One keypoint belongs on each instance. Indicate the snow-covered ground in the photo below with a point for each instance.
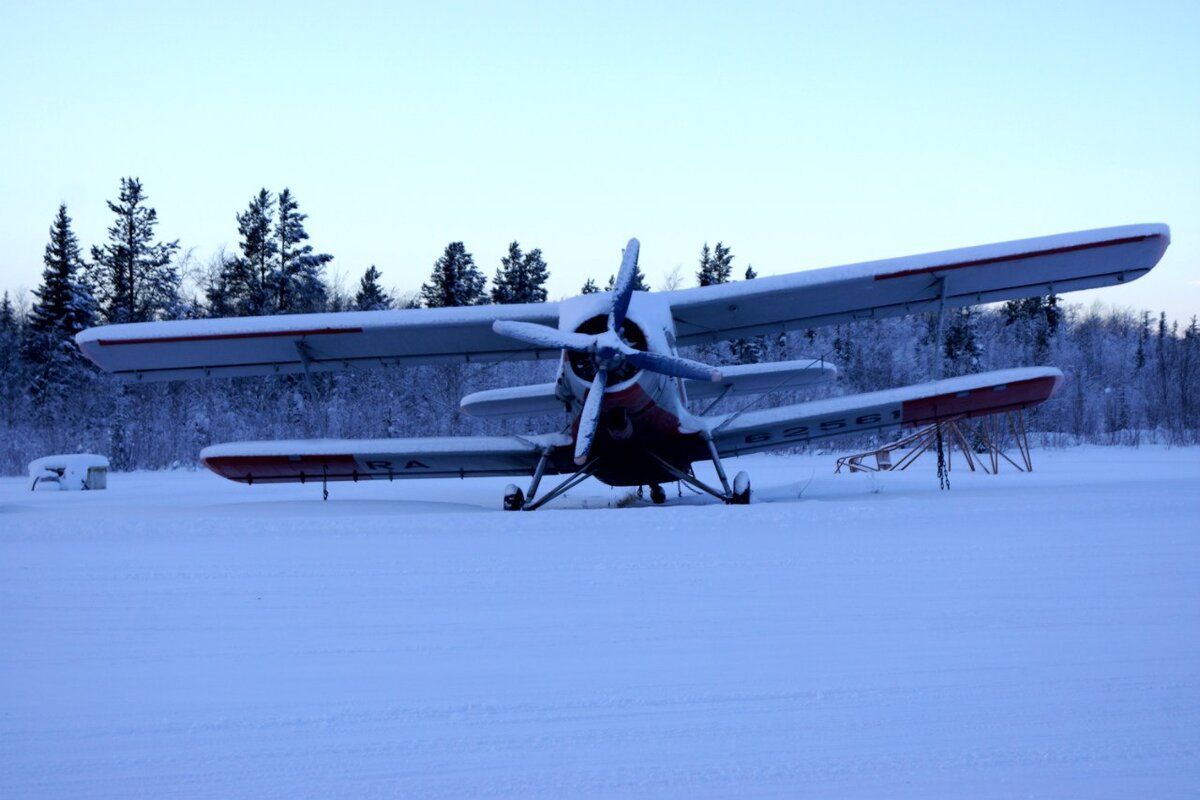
(844, 636)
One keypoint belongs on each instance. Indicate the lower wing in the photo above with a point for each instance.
(970, 395)
(381, 459)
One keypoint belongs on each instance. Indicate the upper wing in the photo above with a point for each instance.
(969, 395)
(912, 284)
(381, 459)
(320, 342)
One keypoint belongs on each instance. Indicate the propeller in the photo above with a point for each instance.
(608, 349)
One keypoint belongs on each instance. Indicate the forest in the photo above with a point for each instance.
(1132, 377)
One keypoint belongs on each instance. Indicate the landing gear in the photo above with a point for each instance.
(657, 495)
(514, 498)
(736, 495)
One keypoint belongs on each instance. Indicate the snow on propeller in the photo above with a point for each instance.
(625, 389)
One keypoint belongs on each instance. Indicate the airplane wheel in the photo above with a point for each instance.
(657, 495)
(514, 498)
(741, 490)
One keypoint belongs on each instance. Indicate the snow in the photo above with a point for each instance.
(843, 636)
(68, 472)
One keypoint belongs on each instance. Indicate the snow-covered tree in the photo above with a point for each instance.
(455, 281)
(371, 296)
(133, 275)
(521, 277)
(961, 349)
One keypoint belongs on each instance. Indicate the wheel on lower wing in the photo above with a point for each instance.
(657, 495)
(741, 490)
(514, 498)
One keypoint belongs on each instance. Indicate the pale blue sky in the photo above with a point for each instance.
(803, 135)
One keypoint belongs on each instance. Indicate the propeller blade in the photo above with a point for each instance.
(589, 420)
(623, 287)
(675, 366)
(542, 335)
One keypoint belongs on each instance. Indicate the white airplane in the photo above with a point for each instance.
(621, 381)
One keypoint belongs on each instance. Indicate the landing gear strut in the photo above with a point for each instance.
(515, 500)
(736, 495)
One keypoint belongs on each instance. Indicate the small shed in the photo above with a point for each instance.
(73, 472)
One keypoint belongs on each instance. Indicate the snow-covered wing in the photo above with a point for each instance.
(319, 342)
(894, 287)
(514, 401)
(379, 459)
(969, 395)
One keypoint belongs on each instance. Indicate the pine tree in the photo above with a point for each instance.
(134, 277)
(455, 281)
(960, 345)
(639, 281)
(521, 278)
(750, 273)
(371, 297)
(250, 280)
(64, 308)
(715, 267)
(590, 287)
(299, 286)
(8, 316)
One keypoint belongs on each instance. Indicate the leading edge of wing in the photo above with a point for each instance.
(920, 404)
(301, 461)
(911, 284)
(291, 343)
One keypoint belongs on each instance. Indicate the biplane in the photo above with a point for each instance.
(622, 386)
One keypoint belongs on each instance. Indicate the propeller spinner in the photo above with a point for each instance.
(608, 350)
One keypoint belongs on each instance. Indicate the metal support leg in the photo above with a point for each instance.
(537, 475)
(716, 459)
(579, 477)
(690, 480)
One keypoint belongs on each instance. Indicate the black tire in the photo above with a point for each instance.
(514, 498)
(657, 495)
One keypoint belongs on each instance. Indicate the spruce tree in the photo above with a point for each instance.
(299, 285)
(371, 296)
(589, 287)
(250, 279)
(455, 281)
(8, 316)
(716, 266)
(639, 281)
(134, 277)
(64, 307)
(521, 278)
(961, 348)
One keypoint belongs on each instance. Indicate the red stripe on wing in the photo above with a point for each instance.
(286, 469)
(977, 402)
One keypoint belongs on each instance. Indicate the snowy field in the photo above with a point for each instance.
(844, 636)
